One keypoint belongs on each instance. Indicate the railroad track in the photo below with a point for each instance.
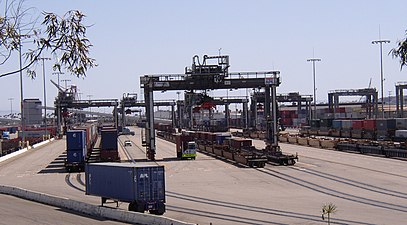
(333, 192)
(354, 166)
(127, 152)
(70, 184)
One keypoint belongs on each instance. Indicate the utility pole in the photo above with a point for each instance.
(21, 85)
(45, 93)
(380, 42)
(313, 60)
(21, 90)
(11, 106)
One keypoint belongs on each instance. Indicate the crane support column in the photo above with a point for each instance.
(274, 113)
(227, 114)
(173, 116)
(150, 131)
(245, 114)
(267, 115)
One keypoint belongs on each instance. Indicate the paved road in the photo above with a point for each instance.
(18, 211)
(366, 190)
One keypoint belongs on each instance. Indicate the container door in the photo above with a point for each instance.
(150, 183)
(143, 178)
(158, 183)
(75, 156)
(75, 140)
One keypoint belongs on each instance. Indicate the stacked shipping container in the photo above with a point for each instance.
(75, 148)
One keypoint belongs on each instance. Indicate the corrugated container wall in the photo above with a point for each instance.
(347, 124)
(385, 124)
(369, 125)
(240, 142)
(109, 139)
(337, 124)
(220, 138)
(75, 140)
(326, 122)
(126, 182)
(357, 124)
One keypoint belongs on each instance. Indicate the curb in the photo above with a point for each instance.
(21, 151)
(89, 209)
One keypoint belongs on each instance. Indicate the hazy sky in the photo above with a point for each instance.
(133, 38)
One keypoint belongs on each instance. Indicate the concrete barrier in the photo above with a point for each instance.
(21, 151)
(292, 139)
(43, 143)
(302, 141)
(329, 144)
(314, 142)
(11, 155)
(89, 209)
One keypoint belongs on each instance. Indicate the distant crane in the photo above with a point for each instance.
(369, 86)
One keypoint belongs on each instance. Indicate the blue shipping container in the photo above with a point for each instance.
(109, 139)
(75, 140)
(337, 124)
(220, 138)
(75, 156)
(127, 182)
(386, 124)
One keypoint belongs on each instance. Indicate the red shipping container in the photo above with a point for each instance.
(109, 155)
(357, 124)
(369, 125)
(340, 110)
(287, 121)
(240, 142)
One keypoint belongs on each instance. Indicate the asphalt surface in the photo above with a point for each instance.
(18, 211)
(366, 189)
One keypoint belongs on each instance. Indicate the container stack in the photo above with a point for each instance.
(287, 117)
(401, 129)
(385, 128)
(325, 127)
(369, 129)
(336, 128)
(315, 126)
(346, 128)
(75, 147)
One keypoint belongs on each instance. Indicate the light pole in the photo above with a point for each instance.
(313, 60)
(45, 92)
(380, 42)
(21, 90)
(11, 106)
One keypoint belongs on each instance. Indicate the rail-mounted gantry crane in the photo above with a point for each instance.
(206, 76)
(68, 99)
